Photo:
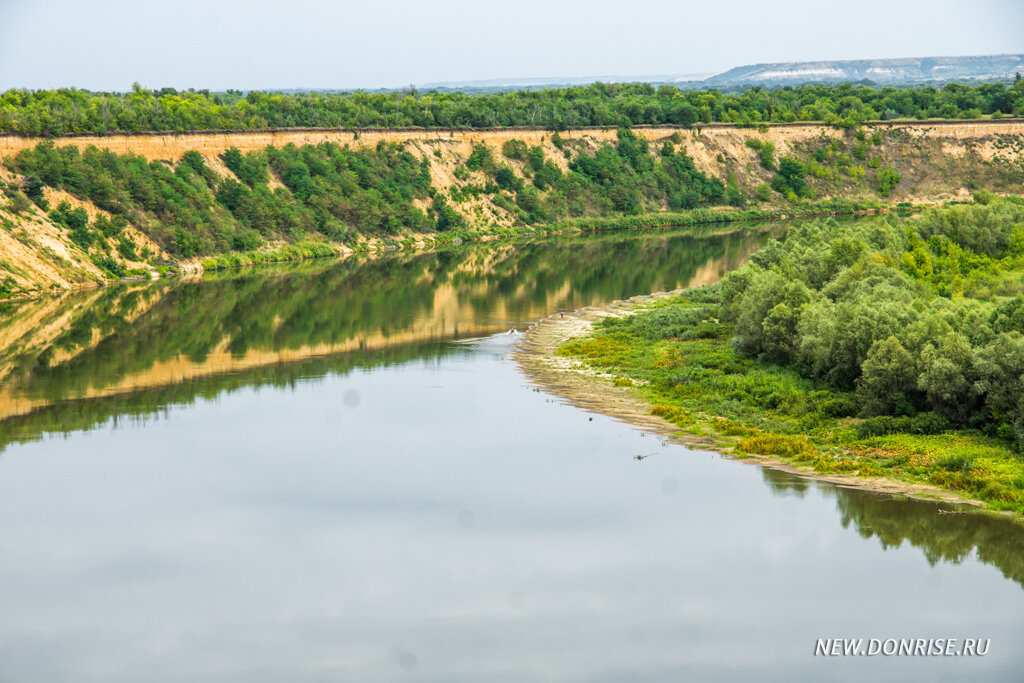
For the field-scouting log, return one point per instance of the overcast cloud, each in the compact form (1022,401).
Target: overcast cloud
(109,44)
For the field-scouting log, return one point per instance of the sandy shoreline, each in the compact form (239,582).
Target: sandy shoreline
(593,391)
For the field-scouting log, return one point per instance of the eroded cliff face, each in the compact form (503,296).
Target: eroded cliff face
(37,254)
(703,143)
(937,161)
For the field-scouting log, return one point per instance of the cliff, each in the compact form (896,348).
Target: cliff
(935,161)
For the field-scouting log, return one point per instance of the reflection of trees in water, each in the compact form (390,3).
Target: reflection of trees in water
(324,304)
(785,484)
(65,417)
(941,537)
(125,330)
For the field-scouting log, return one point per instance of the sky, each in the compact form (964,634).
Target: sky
(264,44)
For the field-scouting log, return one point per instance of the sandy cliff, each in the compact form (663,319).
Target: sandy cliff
(937,161)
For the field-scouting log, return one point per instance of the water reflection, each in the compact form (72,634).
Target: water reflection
(348,495)
(944,533)
(785,484)
(81,414)
(180,340)
(394,522)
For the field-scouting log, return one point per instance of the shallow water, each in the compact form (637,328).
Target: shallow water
(335,473)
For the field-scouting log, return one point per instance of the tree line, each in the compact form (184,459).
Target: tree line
(69,111)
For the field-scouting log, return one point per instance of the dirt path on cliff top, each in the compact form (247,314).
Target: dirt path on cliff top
(593,391)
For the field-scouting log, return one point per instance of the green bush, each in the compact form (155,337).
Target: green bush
(110,266)
(479,158)
(765,152)
(887,180)
(782,445)
(790,178)
(659,323)
(957,462)
(515,149)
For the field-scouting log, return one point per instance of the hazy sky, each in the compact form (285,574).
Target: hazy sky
(219,44)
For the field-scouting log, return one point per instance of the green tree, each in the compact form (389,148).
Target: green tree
(887,180)
(888,378)
(947,377)
(790,177)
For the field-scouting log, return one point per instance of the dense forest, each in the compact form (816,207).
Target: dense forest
(922,317)
(51,113)
(337,193)
(887,346)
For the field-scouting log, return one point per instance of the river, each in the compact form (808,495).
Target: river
(333,471)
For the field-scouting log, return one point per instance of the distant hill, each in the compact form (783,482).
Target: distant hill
(881,71)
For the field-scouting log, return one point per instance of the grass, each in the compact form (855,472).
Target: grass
(680,360)
(804,209)
(289,252)
(697,219)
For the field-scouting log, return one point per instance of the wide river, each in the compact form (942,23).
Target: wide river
(334,472)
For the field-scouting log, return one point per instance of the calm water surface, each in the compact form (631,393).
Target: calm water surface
(334,473)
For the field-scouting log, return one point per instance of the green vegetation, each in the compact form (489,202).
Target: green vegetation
(336,193)
(765,152)
(790,178)
(289,252)
(622,178)
(51,113)
(887,179)
(890,347)
(329,190)
(241,207)
(710,217)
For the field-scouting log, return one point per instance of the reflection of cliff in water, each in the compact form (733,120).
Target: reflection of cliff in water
(949,536)
(63,417)
(169,336)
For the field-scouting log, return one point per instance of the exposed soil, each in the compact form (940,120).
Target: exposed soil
(937,161)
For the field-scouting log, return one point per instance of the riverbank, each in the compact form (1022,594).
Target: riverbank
(698,222)
(231,199)
(550,363)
